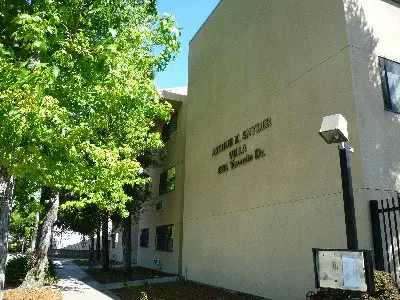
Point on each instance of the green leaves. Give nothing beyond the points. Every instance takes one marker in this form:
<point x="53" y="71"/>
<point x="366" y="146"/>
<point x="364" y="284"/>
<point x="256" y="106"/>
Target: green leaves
<point x="22" y="18"/>
<point x="77" y="94"/>
<point x="56" y="71"/>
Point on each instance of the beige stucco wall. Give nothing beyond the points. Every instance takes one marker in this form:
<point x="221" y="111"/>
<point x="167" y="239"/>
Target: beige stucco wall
<point x="252" y="228"/>
<point x="173" y="204"/>
<point x="373" y="30"/>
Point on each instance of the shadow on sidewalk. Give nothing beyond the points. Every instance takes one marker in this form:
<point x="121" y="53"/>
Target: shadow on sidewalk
<point x="75" y="283"/>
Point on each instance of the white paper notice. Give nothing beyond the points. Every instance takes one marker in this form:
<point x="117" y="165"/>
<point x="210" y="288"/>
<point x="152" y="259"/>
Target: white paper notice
<point x="351" y="272"/>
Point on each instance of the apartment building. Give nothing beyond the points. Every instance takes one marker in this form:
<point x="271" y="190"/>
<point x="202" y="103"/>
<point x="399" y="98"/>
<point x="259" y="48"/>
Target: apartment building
<point x="261" y="187"/>
<point x="247" y="187"/>
<point x="157" y="233"/>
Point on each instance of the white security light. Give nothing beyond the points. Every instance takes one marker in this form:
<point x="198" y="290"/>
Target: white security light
<point x="334" y="129"/>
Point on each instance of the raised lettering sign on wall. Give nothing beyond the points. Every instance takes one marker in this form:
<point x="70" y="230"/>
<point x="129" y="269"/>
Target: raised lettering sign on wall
<point x="239" y="154"/>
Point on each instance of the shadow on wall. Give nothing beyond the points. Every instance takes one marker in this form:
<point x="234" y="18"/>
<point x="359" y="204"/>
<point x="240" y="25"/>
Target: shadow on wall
<point x="366" y="41"/>
<point x="379" y="129"/>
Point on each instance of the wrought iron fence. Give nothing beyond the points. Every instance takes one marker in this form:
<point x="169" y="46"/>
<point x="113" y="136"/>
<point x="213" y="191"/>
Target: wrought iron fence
<point x="385" y="222"/>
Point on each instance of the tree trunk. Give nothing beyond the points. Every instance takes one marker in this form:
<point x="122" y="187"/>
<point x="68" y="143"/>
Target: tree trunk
<point x="105" y="260"/>
<point x="91" y="255"/>
<point x="35" y="229"/>
<point x="38" y="261"/>
<point x="98" y="244"/>
<point x="6" y="195"/>
<point x="52" y="235"/>
<point x="34" y="233"/>
<point x="127" y="244"/>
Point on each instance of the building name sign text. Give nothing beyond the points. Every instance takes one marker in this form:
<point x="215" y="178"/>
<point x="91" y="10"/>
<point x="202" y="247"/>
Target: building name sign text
<point x="239" y="154"/>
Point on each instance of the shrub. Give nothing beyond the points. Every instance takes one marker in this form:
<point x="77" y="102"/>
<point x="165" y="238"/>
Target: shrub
<point x="16" y="270"/>
<point x="330" y="294"/>
<point x="385" y="289"/>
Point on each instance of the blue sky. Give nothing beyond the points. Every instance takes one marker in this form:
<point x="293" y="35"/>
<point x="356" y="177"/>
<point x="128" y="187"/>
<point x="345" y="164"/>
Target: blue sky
<point x="189" y="16"/>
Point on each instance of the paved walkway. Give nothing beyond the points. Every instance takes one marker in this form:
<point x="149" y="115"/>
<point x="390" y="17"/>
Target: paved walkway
<point x="75" y="284"/>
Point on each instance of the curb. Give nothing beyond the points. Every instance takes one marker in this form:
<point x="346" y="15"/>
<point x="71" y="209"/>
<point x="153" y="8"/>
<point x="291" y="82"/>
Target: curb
<point x="120" y="285"/>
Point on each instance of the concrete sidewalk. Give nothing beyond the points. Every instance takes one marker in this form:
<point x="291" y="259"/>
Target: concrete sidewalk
<point x="75" y="284"/>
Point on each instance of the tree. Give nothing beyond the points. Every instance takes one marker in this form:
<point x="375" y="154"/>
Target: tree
<point x="78" y="101"/>
<point x="140" y="195"/>
<point x="105" y="259"/>
<point x="97" y="253"/>
<point x="24" y="210"/>
<point x="84" y="220"/>
<point x="6" y="189"/>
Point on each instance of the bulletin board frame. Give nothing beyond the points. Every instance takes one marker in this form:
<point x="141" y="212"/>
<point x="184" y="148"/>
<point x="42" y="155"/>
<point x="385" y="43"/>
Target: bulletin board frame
<point x="334" y="267"/>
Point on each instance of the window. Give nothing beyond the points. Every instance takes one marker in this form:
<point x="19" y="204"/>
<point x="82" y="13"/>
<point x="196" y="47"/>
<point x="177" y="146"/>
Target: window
<point x="167" y="181"/>
<point x="170" y="127"/>
<point x="144" y="237"/>
<point x="159" y="206"/>
<point x="390" y="75"/>
<point x="164" y="238"/>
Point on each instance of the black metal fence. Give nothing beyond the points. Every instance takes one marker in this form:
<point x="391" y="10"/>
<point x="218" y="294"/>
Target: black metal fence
<point x="385" y="222"/>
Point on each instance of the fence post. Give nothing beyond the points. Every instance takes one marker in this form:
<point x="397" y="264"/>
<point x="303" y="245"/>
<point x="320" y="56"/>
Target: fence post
<point x="376" y="235"/>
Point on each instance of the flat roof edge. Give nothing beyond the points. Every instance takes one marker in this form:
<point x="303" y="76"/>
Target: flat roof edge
<point x="174" y="94"/>
<point x="205" y="22"/>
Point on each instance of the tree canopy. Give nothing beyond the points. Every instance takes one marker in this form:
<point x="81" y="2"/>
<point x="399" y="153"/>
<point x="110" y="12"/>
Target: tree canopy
<point x="77" y="94"/>
<point x="26" y="206"/>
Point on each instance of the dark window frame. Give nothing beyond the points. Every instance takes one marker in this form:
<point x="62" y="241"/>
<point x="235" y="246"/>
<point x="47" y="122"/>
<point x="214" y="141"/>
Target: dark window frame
<point x="167" y="182"/>
<point x="144" y="238"/>
<point x="170" y="128"/>
<point x="388" y="101"/>
<point x="159" y="206"/>
<point x="165" y="238"/>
